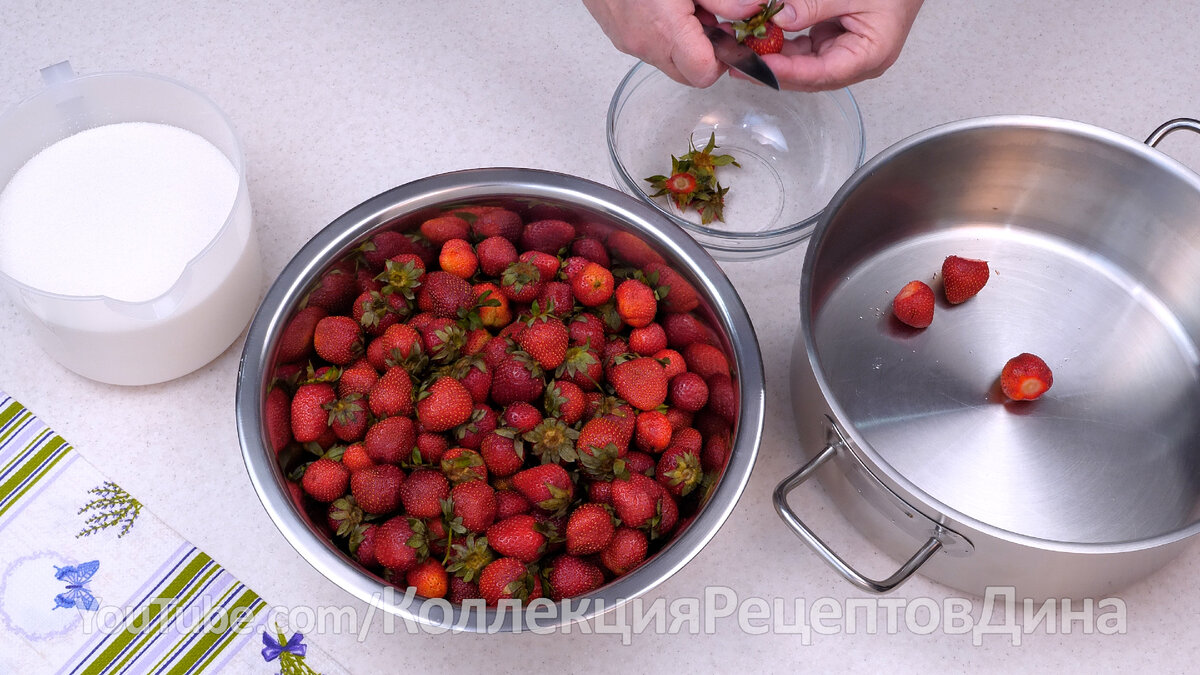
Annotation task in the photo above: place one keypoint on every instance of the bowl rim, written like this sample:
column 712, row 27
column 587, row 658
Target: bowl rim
column 733, row 240
column 356, row 225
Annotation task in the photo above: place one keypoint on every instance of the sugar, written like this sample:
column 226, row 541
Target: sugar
column 116, row 210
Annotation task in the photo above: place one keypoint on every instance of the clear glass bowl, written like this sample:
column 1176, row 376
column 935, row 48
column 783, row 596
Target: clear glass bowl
column 795, row 150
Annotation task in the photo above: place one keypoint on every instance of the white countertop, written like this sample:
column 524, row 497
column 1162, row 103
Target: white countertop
column 338, row 101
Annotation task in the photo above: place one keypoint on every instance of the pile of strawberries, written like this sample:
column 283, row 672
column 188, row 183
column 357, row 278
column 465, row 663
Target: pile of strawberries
column 495, row 406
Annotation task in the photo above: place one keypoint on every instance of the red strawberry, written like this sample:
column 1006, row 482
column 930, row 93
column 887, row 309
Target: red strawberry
column 1025, row 377
column 680, row 418
column 545, row 339
column 277, row 411
column 679, row 470
column 688, row 391
column 668, row 514
column 296, row 340
column 653, row 432
column 647, row 340
column 582, row 366
column 429, row 579
column 458, row 258
column 759, row 33
column 461, row 591
column 591, row 249
column 614, row 347
column 913, row 305
column 962, row 278
column 392, row 393
column 592, row 285
column 442, row 229
column 722, row 398
column 636, row 304
column 390, row 440
column 400, row 277
column 548, row 486
column 335, row 290
column 503, row 454
column 571, row 577
column 386, row 244
column 422, row 493
column 675, row 293
column 510, row 503
column 571, row 266
column 463, row 464
column 556, row 297
column 705, row 360
column 684, row 329
column 640, row 381
column 366, row 548
column 493, row 307
column 477, row 339
column 483, row 421
column 521, row 282
column 474, row 502
column 432, row 446
column 508, row 578
column 375, row 312
column 635, row 499
column 391, row 545
column 600, row 491
column 626, row 551
column 564, row 400
column 551, row 441
column 400, row 344
column 637, row 461
column 338, row 339
column 546, row 264
column 358, row 378
column 444, row 405
column 498, row 223
column 517, row 378
column 348, row 417
column 586, row 329
column 325, row 480
column 547, row 236
column 444, row 339
column 310, row 419
column 521, row 416
column 495, row 255
column 770, row 43
column 378, row 489
column 356, row 458
column 589, row 529
column 517, row 537
column 687, row 438
column 631, row 249
column 443, row 294
column 597, row 434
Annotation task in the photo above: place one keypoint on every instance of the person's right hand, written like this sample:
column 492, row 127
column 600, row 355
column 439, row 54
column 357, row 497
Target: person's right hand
column 667, row 34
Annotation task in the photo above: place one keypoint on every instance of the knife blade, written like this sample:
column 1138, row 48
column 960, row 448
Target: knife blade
column 739, row 57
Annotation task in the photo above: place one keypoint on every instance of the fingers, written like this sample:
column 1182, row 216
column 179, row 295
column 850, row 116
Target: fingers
column 731, row 9
column 833, row 64
column 797, row 15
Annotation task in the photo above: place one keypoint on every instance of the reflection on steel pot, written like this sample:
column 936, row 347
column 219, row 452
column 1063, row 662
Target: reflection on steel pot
column 530, row 193
column 1094, row 244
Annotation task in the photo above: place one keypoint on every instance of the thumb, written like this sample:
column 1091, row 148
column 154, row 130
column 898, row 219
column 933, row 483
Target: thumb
column 797, row 15
column 732, row 9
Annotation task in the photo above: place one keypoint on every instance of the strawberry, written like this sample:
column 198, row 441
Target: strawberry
column 571, row 266
column 631, row 249
column 429, row 578
column 688, row 391
column 668, row 514
column 640, row 381
column 508, row 578
column 442, row 229
column 463, row 464
column 647, row 340
column 545, row 339
column 325, row 480
column 521, row 282
column 392, row 393
column 600, row 491
column 458, row 258
column 673, row 362
column 358, row 378
column 502, row 452
column 716, row 451
column 637, row 461
column 495, row 255
column 556, row 297
column 675, row 294
column 385, row 245
column 564, row 400
column 679, row 470
column 477, row 338
column 722, row 398
column 591, row 249
column 422, row 493
column 653, row 432
column 348, row 417
column 277, row 412
column 517, row 378
column 635, row 499
column 758, row 32
column 510, row 503
column 296, row 340
column 552, row 441
column 589, row 529
column 355, row 458
column 310, row 419
column 444, row 295
column 365, row 551
column 432, row 447
column 962, row 278
column 680, row 418
column 583, row 367
column 493, row 308
column 636, row 304
column 593, row 285
column 461, row 591
column 626, row 551
column 546, row 264
column 597, row 434
column 483, row 421
column 401, row 344
column 615, row 346
column 683, row 330
column 913, row 305
column 521, row 416
column 390, row 440
column 391, row 545
column 498, row 223
column 443, row 339
column 378, row 488
column 681, row 183
column 1025, row 377
column 444, row 405
column 401, row 276
column 548, row 487
column 548, row 236
column 517, row 537
column 335, row 290
column 475, row 502
column 570, row 577
column 586, row 329
column 375, row 312
column 705, row 360
column 338, row 339
column 469, row 557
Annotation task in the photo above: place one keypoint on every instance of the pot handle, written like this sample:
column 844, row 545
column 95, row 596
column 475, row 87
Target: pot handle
column 1173, row 125
column 931, row 546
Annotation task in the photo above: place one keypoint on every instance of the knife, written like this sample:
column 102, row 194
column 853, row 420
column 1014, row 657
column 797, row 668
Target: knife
column 739, row 57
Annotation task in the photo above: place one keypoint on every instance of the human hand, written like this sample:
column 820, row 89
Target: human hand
column 849, row 41
column 668, row 34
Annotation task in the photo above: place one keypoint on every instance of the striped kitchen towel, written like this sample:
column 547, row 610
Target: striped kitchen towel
column 91, row 582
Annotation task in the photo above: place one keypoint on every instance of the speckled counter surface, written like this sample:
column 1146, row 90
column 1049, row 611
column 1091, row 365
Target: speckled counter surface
column 336, row 102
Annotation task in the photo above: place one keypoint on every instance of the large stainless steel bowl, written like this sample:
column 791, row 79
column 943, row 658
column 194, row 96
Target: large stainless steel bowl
column 404, row 208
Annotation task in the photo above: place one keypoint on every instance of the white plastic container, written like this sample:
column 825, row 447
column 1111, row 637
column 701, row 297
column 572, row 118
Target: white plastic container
column 207, row 307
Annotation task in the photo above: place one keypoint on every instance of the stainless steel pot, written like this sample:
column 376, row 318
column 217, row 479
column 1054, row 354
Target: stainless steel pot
column 527, row 191
column 1094, row 244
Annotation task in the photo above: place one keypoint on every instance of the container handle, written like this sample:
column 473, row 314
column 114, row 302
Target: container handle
column 923, row 554
column 1173, row 125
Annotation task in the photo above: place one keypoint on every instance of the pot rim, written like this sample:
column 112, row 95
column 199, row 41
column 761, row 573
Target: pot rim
column 356, row 225
column 881, row 470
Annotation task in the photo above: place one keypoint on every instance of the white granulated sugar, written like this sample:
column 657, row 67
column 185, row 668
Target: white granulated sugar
column 116, row 210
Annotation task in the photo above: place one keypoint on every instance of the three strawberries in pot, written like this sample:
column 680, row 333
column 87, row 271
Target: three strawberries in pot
column 501, row 407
